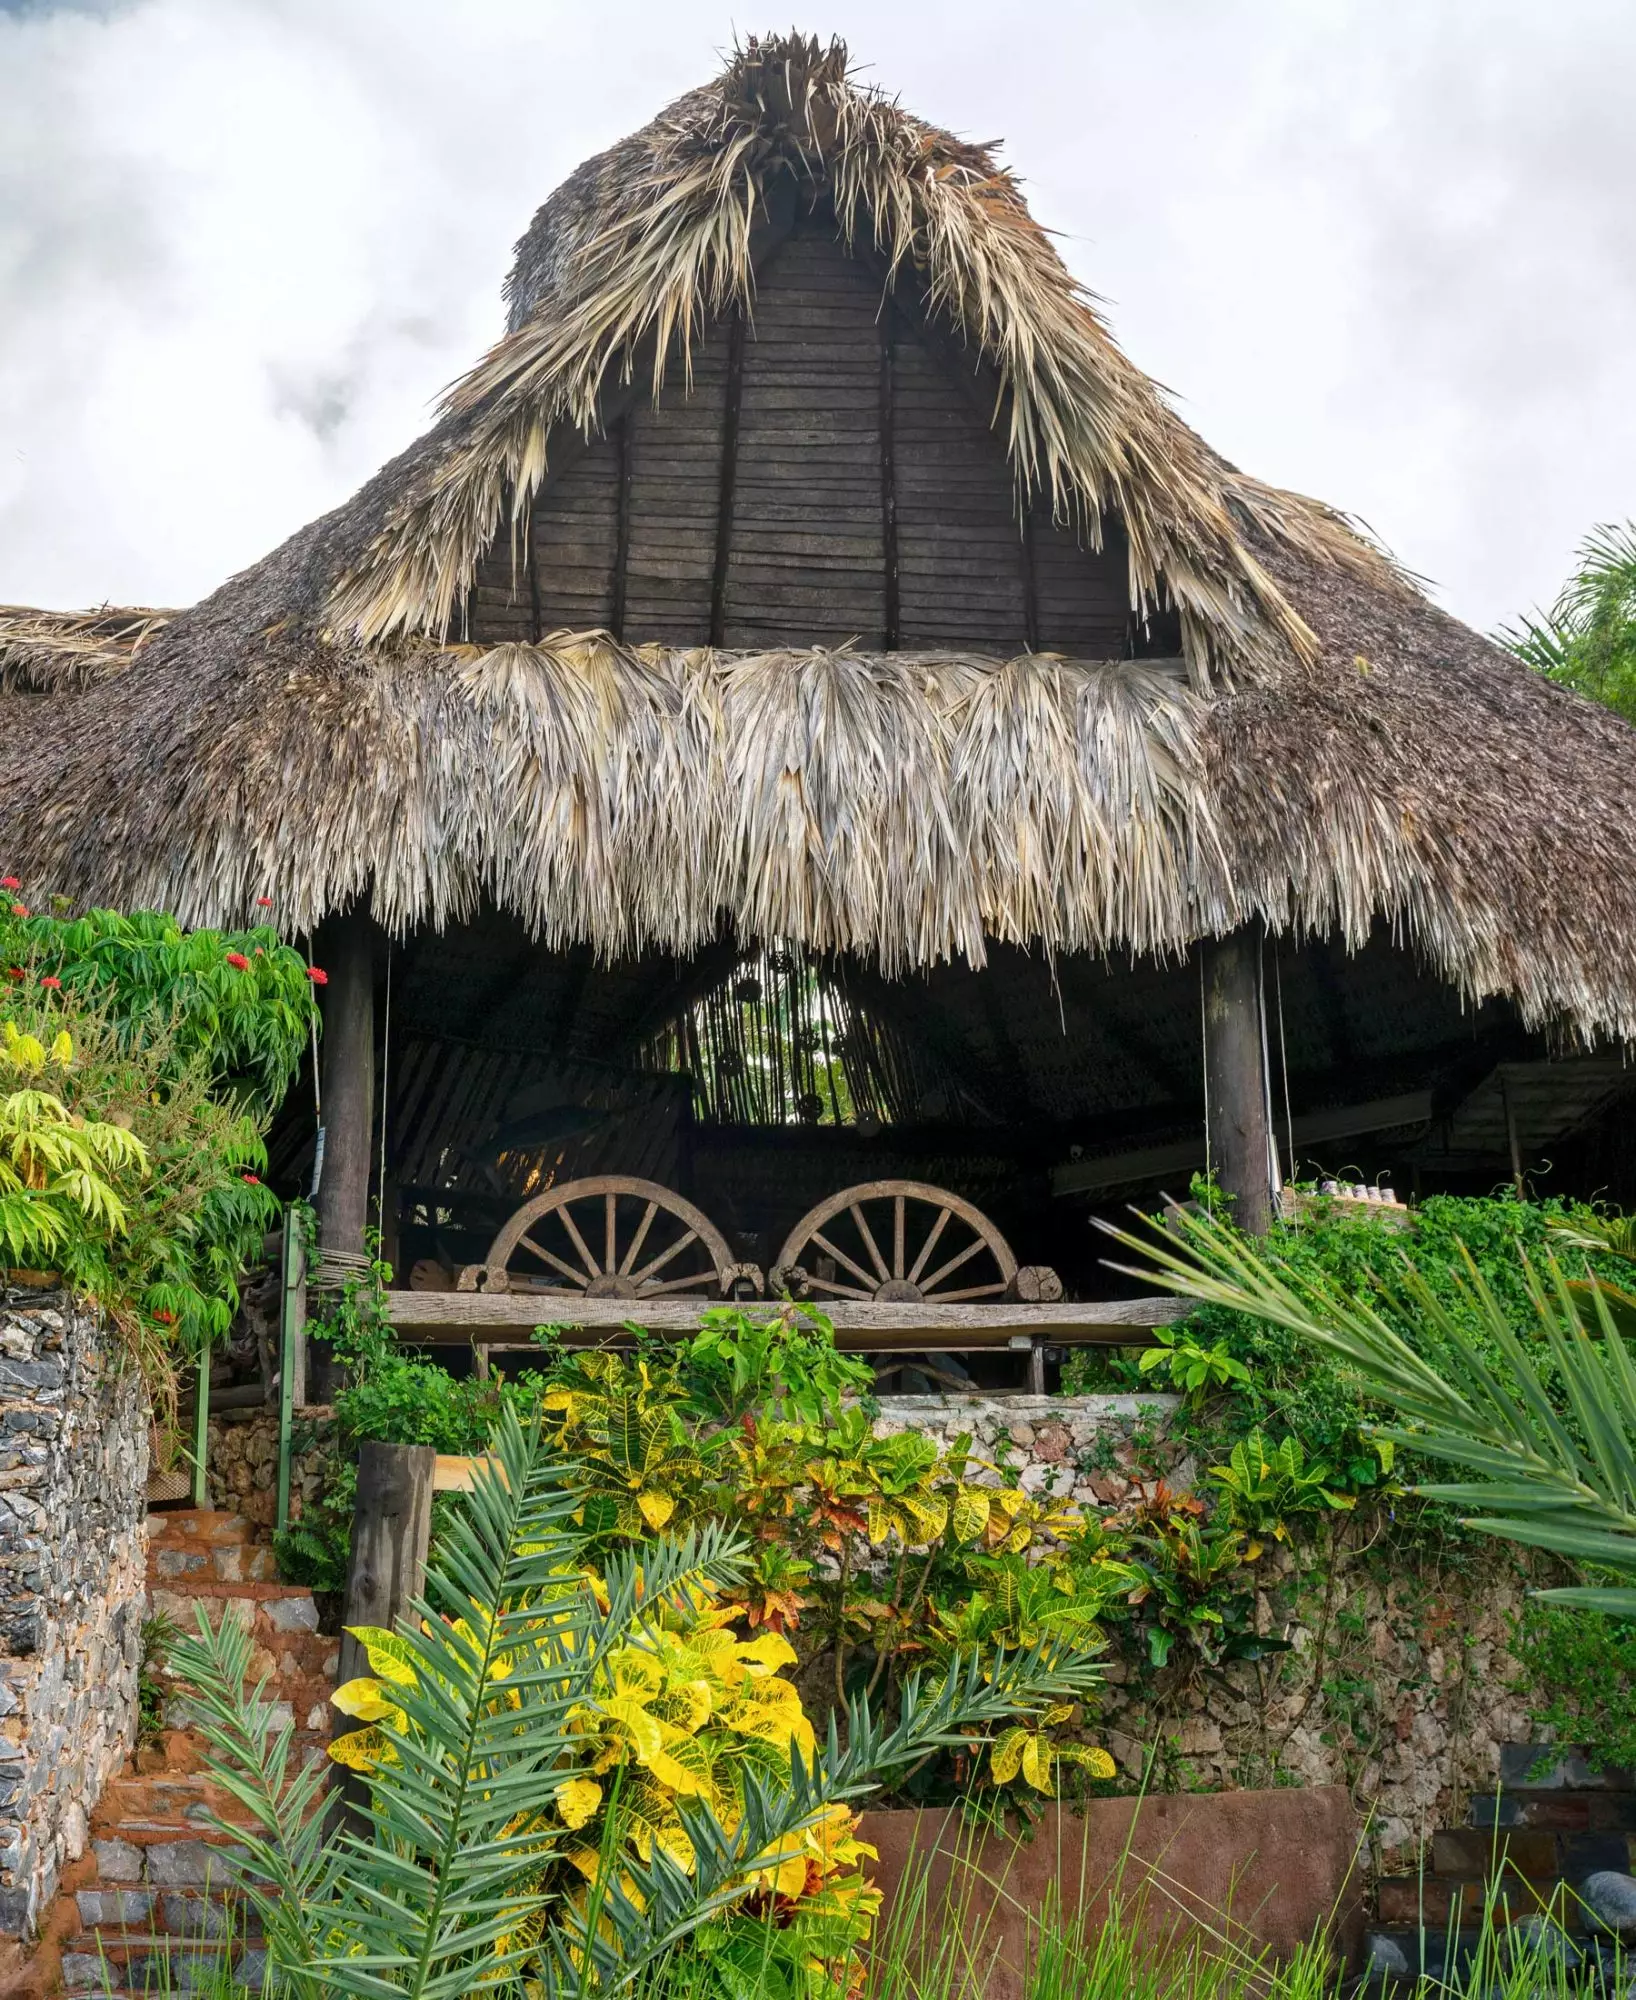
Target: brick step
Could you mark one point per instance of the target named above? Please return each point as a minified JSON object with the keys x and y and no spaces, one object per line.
{"x":1429,"y":1902}
{"x":1469,"y":1854}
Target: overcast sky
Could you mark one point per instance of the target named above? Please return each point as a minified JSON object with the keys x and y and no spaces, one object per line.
{"x":1380,"y":250}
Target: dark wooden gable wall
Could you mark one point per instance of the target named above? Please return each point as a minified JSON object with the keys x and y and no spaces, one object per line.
{"x":828,"y":477}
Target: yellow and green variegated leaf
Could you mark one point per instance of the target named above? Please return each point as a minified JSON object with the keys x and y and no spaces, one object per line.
{"x":363,"y":1749}
{"x":971,"y":1511}
{"x":1005,"y":1759}
{"x":1036,"y":1762}
{"x":770,"y":1651}
{"x":656,"y":1508}
{"x":389,"y":1657}
{"x":577,"y":1800}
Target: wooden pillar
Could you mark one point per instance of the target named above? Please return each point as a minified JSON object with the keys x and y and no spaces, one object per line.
{"x":1235,"y":1075}
{"x":349,"y":1082}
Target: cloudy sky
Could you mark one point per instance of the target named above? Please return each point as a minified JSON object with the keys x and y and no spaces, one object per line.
{"x":1380,"y":250}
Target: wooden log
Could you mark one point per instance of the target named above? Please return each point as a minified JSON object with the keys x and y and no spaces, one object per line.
{"x":1235,"y":1076}
{"x":391,"y":1535}
{"x":349,"y":1083}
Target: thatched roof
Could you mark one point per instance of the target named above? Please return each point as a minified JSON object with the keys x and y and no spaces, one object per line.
{"x":1330,"y":749}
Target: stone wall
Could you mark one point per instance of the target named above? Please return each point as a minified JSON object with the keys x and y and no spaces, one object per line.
{"x":241,"y":1464}
{"x":73,"y":1545}
{"x":1397,"y":1684}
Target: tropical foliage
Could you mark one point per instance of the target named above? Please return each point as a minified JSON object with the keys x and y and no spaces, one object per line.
{"x":1541,"y":1419}
{"x":140,"y":1062}
{"x":1587,"y":640}
{"x":574,"y":1771}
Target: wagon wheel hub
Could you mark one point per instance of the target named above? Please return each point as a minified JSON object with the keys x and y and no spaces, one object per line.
{"x":899,"y":1291}
{"x":612,"y":1286}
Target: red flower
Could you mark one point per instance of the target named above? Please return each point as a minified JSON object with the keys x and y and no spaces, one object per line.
{"x":165,"y":1318}
{"x":9,"y":882}
{"x":14,"y":972}
{"x":317,"y":975}
{"x":52,"y":981}
{"x":254,"y":1180}
{"x":17,"y":910}
{"x":238,"y":961}
{"x":264,"y":902}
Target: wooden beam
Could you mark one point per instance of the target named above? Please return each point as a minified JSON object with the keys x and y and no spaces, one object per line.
{"x":1180,"y":1156}
{"x":876,"y":1326}
{"x":1030,"y":578}
{"x":1235,"y":1079}
{"x":391,"y":1534}
{"x":888,"y":481}
{"x":349,"y":1082}
{"x":622,"y":537}
{"x":729,"y":476}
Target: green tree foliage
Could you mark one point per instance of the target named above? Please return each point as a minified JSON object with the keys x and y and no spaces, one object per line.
{"x":165,"y":1051}
{"x":1587,"y":640}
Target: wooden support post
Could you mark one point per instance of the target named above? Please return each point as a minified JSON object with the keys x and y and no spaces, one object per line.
{"x":391,"y":1533}
{"x":292,"y":1351}
{"x":201,"y":1433}
{"x":349,"y":1083}
{"x":1235,"y":1076}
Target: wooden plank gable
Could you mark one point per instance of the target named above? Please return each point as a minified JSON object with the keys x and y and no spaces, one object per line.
{"x":826,"y":476}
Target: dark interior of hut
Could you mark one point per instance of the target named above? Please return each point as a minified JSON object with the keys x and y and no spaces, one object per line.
{"x":755,"y":1081}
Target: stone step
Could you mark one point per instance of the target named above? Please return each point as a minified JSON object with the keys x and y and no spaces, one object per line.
{"x":191,"y":1526}
{"x":1399,"y":1954}
{"x":173,"y":1564}
{"x":149,"y":1965}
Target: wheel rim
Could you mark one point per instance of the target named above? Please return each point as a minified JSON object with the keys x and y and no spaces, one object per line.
{"x":611,"y":1237}
{"x":904,"y":1241}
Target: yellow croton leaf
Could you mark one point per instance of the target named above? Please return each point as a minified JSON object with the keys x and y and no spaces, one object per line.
{"x":970,"y":1513}
{"x":368,"y":1701}
{"x":769,"y":1652}
{"x":362,"y":1749}
{"x":1005,"y":1760}
{"x":656,"y":1508}
{"x":1036,"y":1762}
{"x":577,"y":1799}
{"x":1098,"y":1764}
{"x":388,"y":1655}
{"x":630,"y":1712}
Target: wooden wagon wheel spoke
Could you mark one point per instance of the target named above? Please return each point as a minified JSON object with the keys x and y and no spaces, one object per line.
{"x":639,"y":1238}
{"x":841,"y":1257}
{"x":853,"y":1243}
{"x":654,"y":1265}
{"x":565,"y":1216}
{"x":947,"y":1270}
{"x":869,"y":1243}
{"x":557,"y":1263}
{"x":929,"y":1245}
{"x":667,"y":1228}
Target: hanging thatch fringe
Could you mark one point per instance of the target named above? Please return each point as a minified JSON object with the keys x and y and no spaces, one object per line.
{"x":54,"y":652}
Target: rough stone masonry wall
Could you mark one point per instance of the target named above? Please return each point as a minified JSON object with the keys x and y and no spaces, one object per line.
{"x":73,"y":1547}
{"x":1398,"y":1683}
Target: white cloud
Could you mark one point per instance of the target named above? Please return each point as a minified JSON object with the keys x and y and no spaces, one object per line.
{"x":1381,"y":252}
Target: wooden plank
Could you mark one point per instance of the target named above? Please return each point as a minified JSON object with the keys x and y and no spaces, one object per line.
{"x":506,"y":1319}
{"x":888,"y":484}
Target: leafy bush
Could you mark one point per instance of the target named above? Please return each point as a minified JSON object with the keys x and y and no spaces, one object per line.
{"x":137,"y":1174}
{"x":1579,"y":1678}
{"x":529,"y":1681}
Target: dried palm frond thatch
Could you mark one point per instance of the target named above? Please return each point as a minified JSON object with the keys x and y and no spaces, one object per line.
{"x":42,"y":652}
{"x":639,"y":256}
{"x":1332,"y":751}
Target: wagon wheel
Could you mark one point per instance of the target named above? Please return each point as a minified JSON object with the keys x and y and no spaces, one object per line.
{"x":896,"y":1240}
{"x":611,"y":1237}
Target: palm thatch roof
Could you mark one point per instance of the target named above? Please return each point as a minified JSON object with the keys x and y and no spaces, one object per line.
{"x":1328,"y":749}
